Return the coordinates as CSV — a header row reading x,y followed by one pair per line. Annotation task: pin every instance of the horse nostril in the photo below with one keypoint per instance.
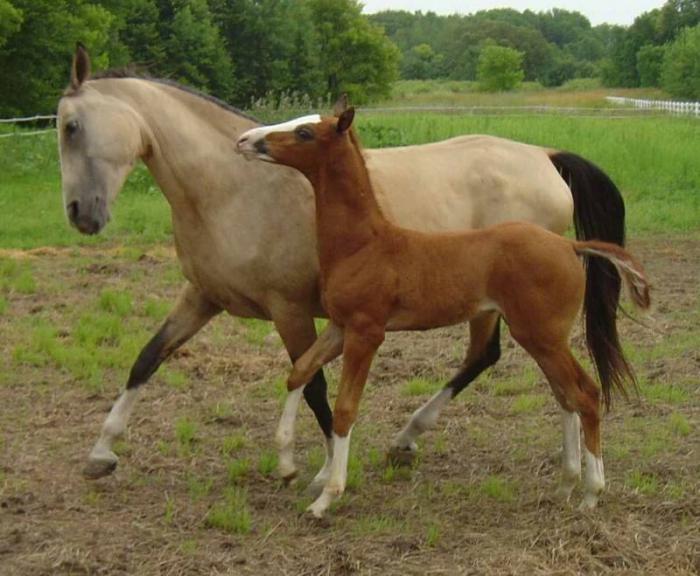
x,y
242,141
261,146
72,210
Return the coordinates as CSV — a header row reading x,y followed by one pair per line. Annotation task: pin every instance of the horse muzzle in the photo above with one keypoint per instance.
x,y
88,220
253,148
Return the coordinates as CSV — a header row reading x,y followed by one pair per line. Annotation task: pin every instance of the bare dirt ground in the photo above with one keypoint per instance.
x,y
479,501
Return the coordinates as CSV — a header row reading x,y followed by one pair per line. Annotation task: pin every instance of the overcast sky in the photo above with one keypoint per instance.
x,y
598,11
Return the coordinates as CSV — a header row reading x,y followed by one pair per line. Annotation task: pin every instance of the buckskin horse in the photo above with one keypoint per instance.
x,y
250,251
376,276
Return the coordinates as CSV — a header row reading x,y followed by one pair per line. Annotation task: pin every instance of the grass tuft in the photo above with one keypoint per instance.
x,y
231,515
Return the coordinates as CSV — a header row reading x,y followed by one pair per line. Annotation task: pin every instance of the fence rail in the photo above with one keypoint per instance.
x,y
692,108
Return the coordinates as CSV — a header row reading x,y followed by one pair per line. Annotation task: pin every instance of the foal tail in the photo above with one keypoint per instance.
x,y
601,333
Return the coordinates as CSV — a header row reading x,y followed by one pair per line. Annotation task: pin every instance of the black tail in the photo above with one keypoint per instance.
x,y
599,214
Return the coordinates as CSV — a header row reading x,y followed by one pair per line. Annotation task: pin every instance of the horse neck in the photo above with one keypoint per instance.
x,y
186,136
348,216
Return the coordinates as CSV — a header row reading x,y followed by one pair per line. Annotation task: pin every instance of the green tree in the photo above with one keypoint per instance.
x,y
680,73
649,61
499,68
422,62
10,20
196,54
35,59
355,56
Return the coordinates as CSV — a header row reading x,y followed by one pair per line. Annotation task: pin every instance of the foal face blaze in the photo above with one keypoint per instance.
x,y
299,143
99,140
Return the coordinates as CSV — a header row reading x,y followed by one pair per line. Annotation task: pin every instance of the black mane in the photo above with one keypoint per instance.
x,y
130,73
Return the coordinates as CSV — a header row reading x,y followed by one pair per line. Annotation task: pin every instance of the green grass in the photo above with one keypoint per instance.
x,y
186,435
267,463
498,489
421,387
642,482
236,470
232,515
232,444
528,403
652,159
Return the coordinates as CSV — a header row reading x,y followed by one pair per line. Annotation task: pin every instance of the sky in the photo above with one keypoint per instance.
x,y
597,11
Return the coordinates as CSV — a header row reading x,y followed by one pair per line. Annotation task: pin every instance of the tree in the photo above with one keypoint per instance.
x,y
499,68
680,73
196,54
35,59
649,61
10,20
422,62
355,56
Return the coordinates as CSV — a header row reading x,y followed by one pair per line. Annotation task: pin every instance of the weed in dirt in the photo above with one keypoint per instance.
x,y
527,403
237,470
175,378
169,512
185,432
16,276
432,535
356,471
188,547
642,482
663,393
497,488
156,308
4,305
231,515
256,331
198,488
116,302
679,424
381,524
121,448
267,463
420,387
392,473
232,444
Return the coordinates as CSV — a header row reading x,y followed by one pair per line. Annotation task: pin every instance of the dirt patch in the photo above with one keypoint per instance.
x,y
479,501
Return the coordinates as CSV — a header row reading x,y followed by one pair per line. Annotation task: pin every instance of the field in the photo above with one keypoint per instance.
x,y
196,492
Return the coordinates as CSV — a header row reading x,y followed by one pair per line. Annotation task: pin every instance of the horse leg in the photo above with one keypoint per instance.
x,y
190,314
326,347
580,398
484,351
359,347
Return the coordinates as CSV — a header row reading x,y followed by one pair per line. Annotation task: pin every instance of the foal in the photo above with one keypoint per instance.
x,y
376,277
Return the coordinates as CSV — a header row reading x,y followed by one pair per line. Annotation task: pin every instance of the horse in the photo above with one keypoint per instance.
x,y
377,276
243,252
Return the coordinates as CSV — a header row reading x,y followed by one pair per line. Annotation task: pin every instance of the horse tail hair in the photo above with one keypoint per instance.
x,y
602,339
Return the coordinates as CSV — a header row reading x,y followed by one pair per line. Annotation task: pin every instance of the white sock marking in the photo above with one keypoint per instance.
x,y
422,419
114,426
336,482
285,433
594,480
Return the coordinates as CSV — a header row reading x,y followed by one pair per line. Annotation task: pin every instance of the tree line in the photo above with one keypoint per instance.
x,y
243,50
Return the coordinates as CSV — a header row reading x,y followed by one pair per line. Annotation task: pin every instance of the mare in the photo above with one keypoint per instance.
x,y
249,250
376,276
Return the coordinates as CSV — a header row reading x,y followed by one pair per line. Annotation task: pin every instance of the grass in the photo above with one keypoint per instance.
x,y
232,515
186,435
652,159
498,489
642,482
267,464
236,470
421,387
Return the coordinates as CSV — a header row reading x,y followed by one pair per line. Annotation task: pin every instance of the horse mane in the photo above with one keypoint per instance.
x,y
129,72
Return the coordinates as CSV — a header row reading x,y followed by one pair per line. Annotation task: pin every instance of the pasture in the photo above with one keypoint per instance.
x,y
196,492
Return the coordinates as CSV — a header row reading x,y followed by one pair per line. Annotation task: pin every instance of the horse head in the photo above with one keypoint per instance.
x,y
100,138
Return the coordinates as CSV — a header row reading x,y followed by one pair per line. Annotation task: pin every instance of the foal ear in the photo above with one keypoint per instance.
x,y
345,120
341,105
80,71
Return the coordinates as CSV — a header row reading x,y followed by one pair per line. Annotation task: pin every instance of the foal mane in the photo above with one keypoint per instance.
x,y
127,72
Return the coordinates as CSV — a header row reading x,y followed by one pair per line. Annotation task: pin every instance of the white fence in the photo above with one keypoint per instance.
x,y
24,120
692,108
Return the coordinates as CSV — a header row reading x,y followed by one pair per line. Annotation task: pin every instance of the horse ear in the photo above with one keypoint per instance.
x,y
80,71
345,120
341,105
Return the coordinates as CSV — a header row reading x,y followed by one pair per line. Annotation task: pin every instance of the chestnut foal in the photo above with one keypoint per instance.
x,y
376,277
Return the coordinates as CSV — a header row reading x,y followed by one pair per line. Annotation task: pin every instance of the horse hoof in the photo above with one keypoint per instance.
x,y
315,488
401,457
95,468
290,479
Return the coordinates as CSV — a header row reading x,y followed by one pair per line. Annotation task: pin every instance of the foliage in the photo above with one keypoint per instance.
x,y
680,73
649,61
499,68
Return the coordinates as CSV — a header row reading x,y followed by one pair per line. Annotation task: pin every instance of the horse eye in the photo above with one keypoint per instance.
x,y
304,133
72,127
